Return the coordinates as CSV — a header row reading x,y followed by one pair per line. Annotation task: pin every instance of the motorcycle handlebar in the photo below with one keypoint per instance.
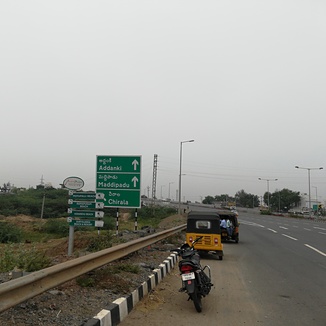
x,y
185,246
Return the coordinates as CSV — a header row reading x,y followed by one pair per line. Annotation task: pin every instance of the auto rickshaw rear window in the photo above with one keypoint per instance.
x,y
203,225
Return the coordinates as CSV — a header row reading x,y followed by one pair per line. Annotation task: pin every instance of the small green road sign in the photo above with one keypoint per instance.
x,y
119,179
98,224
85,204
85,195
85,214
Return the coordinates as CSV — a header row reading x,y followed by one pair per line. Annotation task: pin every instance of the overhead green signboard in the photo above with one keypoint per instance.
x,y
119,179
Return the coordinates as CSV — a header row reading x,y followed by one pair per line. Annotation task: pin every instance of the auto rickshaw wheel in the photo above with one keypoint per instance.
x,y
220,257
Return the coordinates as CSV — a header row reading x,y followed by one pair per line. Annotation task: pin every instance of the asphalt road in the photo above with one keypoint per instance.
x,y
276,275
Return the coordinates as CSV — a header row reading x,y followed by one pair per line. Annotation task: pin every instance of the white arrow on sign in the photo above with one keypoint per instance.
x,y
99,195
135,163
99,205
99,214
134,180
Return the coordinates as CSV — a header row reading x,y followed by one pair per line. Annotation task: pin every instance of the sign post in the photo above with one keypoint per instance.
x,y
118,178
82,207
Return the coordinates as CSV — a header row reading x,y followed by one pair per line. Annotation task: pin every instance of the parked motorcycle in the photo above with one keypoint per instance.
x,y
196,280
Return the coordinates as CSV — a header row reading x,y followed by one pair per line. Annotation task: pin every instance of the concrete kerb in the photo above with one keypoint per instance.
x,y
120,308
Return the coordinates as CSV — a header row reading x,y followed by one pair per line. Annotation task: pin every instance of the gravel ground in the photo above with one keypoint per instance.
x,y
71,304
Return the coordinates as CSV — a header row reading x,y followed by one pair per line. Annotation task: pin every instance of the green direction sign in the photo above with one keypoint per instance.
x,y
85,204
98,224
85,214
85,195
119,179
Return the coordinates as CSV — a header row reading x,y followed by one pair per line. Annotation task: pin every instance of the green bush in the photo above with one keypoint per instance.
x,y
100,242
9,233
56,226
27,260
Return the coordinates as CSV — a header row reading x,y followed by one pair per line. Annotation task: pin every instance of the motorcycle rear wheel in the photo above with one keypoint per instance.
x,y
196,298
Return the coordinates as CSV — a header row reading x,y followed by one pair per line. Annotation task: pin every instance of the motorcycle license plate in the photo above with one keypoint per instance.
x,y
188,276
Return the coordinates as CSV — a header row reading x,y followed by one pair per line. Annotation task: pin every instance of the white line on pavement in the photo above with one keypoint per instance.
x,y
283,227
320,252
272,230
316,227
289,237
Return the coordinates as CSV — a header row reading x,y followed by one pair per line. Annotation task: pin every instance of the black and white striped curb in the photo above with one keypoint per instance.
x,y
120,308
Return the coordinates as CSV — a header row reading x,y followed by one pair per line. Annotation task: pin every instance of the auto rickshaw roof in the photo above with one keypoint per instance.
x,y
203,214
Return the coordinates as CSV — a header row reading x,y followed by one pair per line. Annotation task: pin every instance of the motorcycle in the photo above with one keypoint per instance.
x,y
196,280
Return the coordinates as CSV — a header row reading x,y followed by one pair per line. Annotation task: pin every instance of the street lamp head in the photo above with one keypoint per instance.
x,y
296,167
188,141
259,178
321,168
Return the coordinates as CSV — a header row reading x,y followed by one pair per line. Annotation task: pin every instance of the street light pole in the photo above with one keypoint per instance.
x,y
182,142
309,169
268,180
316,197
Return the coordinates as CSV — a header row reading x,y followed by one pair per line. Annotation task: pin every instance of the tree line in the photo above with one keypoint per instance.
x,y
280,200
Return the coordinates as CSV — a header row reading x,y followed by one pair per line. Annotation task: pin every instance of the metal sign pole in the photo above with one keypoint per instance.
x,y
71,240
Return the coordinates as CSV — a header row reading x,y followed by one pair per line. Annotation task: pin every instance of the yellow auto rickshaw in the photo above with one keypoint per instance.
x,y
231,232
205,224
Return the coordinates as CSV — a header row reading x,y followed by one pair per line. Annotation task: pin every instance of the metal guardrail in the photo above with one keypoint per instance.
x,y
21,289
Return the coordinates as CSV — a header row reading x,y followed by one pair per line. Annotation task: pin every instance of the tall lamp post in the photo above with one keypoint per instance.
x,y
309,169
316,197
268,180
182,142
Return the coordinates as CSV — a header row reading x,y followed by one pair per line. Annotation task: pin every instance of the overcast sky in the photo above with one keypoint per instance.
x,y
244,79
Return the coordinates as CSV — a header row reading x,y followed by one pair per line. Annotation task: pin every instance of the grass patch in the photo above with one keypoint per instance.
x,y
13,256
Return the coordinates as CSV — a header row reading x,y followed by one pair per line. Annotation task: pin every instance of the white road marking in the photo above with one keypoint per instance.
x,y
283,227
320,252
322,233
316,227
252,224
272,230
289,237
306,229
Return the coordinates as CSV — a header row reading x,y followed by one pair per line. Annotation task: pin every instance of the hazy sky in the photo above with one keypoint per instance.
x,y
244,79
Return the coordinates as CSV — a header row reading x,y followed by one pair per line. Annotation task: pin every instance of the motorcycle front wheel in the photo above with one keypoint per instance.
x,y
196,298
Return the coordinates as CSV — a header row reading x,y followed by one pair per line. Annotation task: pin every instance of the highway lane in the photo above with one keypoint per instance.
x,y
288,268
276,275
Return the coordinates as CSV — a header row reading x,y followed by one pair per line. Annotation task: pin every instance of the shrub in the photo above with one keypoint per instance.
x,y
27,260
56,226
100,242
9,233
